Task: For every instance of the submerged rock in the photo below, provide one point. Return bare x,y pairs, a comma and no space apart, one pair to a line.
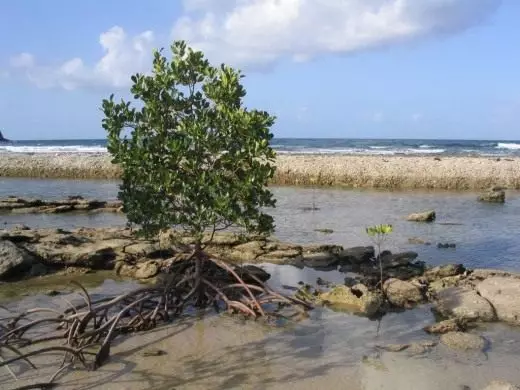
463,341
451,325
13,260
401,293
464,304
504,295
356,298
425,216
494,195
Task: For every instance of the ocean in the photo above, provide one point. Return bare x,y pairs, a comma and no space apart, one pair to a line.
487,148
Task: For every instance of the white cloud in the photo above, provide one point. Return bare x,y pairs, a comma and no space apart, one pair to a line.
261,32
123,56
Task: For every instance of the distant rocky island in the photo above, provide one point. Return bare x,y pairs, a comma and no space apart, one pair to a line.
2,139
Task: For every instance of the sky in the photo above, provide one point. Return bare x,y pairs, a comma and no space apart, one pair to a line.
325,68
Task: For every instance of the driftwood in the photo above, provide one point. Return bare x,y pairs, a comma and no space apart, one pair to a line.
88,329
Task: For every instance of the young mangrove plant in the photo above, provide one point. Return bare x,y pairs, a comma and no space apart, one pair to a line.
193,158
378,234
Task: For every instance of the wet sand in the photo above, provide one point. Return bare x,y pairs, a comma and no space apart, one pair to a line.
389,172
330,350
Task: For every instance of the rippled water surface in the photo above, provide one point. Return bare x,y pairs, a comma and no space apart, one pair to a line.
486,235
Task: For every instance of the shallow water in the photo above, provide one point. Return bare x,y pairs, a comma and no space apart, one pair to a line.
486,235
329,350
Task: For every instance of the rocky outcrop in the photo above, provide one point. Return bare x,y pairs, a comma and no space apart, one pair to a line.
402,293
443,271
463,341
357,299
17,205
504,294
493,195
425,216
464,304
13,260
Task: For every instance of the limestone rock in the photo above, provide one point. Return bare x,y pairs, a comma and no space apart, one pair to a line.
146,270
464,304
426,216
504,295
463,341
494,195
443,271
501,385
320,260
356,255
451,325
401,293
13,260
357,299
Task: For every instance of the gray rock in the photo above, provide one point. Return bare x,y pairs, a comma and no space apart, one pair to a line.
464,304
463,341
504,295
356,255
320,260
491,196
401,293
451,325
501,385
398,259
13,260
426,216
443,271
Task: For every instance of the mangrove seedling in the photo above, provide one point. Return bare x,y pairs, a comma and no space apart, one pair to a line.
378,234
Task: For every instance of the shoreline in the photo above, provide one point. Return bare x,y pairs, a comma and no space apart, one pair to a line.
349,171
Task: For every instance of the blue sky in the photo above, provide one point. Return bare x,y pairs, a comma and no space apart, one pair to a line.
326,68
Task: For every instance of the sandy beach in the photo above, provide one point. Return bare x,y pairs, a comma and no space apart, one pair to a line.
385,172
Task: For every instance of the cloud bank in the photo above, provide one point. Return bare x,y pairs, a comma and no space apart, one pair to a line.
259,33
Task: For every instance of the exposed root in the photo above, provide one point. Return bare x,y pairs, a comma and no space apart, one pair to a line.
89,328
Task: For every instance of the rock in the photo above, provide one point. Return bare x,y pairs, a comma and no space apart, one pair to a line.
463,341
146,270
446,245
451,325
357,299
393,347
504,295
501,385
464,304
324,231
320,260
493,196
482,273
421,347
401,293
405,272
398,259
58,209
356,255
279,256
153,352
441,284
443,271
426,216
52,293
247,252
418,241
13,260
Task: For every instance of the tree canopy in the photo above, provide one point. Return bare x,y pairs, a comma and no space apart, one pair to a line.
192,156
